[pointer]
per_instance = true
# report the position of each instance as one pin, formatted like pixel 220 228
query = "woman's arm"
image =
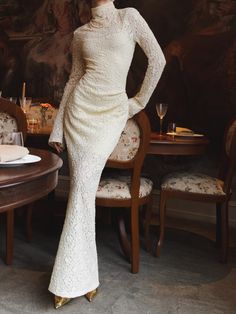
pixel 77 72
pixel 143 35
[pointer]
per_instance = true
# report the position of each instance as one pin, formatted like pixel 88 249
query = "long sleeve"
pixel 77 71
pixel 143 35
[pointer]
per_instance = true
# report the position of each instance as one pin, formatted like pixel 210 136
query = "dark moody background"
pixel 198 39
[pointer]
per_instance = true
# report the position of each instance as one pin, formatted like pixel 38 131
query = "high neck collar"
pixel 103 10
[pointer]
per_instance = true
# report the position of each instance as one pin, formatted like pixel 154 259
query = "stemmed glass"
pixel 161 109
pixel 25 104
pixel 13 99
pixel 12 138
pixel 33 124
pixel 17 138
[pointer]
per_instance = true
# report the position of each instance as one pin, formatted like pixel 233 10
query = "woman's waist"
pixel 102 84
pixel 86 108
pixel 98 95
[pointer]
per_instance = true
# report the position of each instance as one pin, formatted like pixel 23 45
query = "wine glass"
pixel 15 138
pixel 161 109
pixel 25 103
pixel 33 124
pixel 171 129
pixel 13 99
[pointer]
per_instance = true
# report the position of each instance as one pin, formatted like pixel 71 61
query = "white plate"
pixel 28 159
pixel 185 135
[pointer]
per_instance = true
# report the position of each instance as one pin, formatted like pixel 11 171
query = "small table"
pixel 25 184
pixel 177 146
pixel 159 145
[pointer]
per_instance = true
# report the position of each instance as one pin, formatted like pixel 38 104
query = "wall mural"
pixel 198 39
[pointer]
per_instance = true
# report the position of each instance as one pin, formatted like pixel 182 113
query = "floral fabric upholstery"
pixel 119 187
pixel 193 183
pixel 7 124
pixel 128 144
pixel 229 137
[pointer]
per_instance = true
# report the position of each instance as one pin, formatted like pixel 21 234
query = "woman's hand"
pixel 57 146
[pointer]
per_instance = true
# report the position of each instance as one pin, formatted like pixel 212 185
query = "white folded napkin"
pixel 12 152
pixel 181 130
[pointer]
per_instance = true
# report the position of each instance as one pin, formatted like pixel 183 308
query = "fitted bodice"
pixel 107 64
pixel 106 47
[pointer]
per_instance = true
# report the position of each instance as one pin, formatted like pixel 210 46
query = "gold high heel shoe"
pixel 60 301
pixel 91 294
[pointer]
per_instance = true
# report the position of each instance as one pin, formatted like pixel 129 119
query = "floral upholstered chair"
pixel 203 188
pixel 7 124
pixel 12 119
pixel 128 191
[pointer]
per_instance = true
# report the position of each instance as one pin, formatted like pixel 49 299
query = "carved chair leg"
pixel 148 216
pixel 163 199
pixel 29 222
pixel 9 236
pixel 135 246
pixel 218 224
pixel 224 233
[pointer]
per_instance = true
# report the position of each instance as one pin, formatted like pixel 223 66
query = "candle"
pixel 23 91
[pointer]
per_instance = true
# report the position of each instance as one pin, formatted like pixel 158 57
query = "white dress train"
pixel 92 114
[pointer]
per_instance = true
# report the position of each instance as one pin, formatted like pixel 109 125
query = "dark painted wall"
pixel 198 39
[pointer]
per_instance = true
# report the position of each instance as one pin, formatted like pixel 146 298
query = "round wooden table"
pixel 25 184
pixel 177 146
pixel 159 145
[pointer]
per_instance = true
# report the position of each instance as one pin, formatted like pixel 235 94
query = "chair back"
pixel 228 163
pixel 133 143
pixel 12 118
pixel 132 148
pixel 128 144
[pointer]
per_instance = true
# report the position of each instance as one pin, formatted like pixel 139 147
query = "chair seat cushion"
pixel 119 187
pixel 193 183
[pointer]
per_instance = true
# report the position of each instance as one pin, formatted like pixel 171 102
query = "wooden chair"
pixel 13 119
pixel 203 188
pixel 130 191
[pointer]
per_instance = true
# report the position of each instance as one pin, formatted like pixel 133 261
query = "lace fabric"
pixel 92 115
pixel 134 24
pixel 156 60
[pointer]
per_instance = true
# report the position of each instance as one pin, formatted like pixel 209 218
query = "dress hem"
pixel 64 294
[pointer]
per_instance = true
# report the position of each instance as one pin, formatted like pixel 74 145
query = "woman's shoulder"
pixel 130 12
pixel 80 30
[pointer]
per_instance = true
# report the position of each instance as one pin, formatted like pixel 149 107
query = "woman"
pixel 93 112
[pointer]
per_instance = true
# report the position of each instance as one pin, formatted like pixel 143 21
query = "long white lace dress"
pixel 92 114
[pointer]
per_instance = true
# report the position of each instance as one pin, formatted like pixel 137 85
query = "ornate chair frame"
pixel 226 172
pixel 135 166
